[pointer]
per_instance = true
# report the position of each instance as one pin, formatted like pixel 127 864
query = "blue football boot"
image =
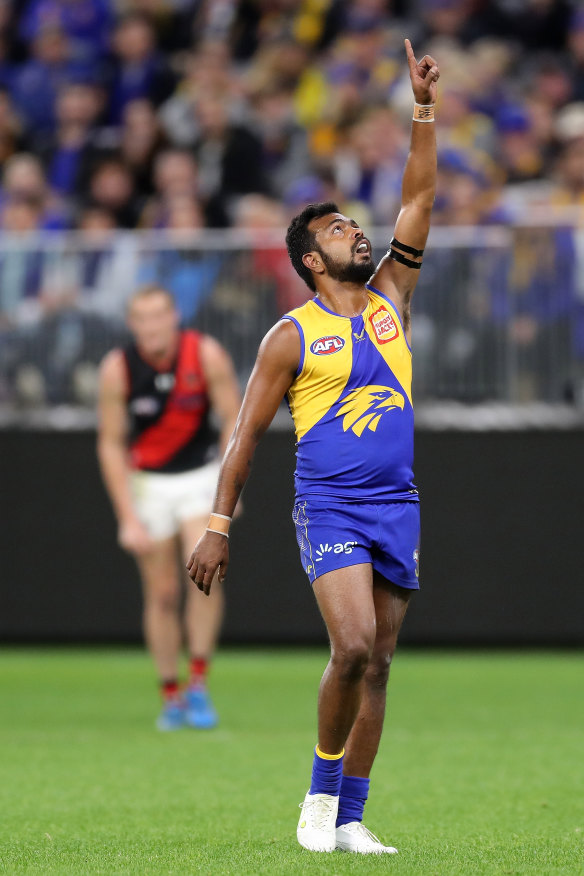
pixel 199 711
pixel 172 716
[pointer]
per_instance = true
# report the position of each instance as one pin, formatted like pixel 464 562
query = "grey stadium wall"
pixel 500 558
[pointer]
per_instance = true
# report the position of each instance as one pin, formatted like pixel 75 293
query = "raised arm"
pixel 397 273
pixel 273 374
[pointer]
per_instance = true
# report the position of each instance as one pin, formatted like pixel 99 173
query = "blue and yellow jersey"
pixel 352 404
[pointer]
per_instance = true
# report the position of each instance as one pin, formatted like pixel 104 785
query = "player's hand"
pixel 211 553
pixel 424 75
pixel 134 537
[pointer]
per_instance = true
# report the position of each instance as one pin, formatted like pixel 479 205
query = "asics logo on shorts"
pixel 416 556
pixel 363 407
pixel 338 548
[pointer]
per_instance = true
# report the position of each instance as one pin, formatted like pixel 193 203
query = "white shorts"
pixel 164 501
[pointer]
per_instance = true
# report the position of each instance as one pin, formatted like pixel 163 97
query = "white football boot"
pixel 354 837
pixel 316 826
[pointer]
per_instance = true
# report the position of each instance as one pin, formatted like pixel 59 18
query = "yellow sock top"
pixel 329 756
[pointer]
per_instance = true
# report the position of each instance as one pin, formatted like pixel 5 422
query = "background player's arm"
pixel 222 386
pixel 272 376
pixel 112 452
pixel 396 280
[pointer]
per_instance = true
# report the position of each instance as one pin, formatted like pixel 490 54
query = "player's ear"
pixel 313 262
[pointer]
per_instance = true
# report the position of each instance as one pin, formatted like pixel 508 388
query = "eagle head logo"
pixel 363 407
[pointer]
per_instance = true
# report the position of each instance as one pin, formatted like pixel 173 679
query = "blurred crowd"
pixel 166 113
pixel 182 115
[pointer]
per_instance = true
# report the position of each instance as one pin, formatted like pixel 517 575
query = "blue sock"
pixel 353 796
pixel 327 772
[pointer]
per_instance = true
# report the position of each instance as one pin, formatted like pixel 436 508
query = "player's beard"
pixel 351 272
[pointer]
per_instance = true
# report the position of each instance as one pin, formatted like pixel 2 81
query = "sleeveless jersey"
pixel 169 411
pixel 352 404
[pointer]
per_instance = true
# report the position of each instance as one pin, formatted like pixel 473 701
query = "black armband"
pixel 417 253
pixel 398 257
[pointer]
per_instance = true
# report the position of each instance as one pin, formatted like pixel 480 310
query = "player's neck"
pixel 161 359
pixel 346 299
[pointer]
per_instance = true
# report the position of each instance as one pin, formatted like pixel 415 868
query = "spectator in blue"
pixel 23 179
pixel 38 81
pixel 86 23
pixel 139 70
pixel 69 150
pixel 189 273
pixel 535 307
pixel 519 154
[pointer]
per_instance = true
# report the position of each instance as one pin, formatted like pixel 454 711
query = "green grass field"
pixel 481 768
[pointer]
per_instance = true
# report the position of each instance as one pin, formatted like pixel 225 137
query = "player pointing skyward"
pixel 344 362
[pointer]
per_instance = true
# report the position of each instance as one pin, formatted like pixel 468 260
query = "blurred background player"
pixel 158 451
pixel 344 361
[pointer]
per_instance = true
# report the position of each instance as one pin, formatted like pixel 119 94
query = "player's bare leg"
pixel 162 628
pixel 363 613
pixel 345 599
pixel 203 619
pixel 161 587
pixel 391 604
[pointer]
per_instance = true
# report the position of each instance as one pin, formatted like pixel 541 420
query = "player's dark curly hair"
pixel 300 240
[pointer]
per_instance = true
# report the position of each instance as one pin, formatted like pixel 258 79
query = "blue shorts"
pixel 339 534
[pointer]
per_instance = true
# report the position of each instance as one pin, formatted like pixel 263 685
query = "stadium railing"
pixel 498 316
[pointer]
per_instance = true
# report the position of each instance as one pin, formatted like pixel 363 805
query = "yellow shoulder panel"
pixel 325 367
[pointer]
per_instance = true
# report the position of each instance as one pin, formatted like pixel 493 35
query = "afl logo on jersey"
pixel 384 325
pixel 327 345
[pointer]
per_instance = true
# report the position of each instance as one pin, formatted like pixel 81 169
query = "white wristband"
pixel 219 523
pixel 423 112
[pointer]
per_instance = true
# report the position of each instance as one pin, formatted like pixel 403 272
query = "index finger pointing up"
pixel 410 55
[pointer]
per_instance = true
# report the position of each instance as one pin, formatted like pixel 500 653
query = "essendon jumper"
pixel 169 411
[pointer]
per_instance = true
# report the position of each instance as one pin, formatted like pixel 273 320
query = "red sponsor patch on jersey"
pixel 327 345
pixel 384 325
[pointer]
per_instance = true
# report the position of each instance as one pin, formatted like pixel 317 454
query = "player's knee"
pixel 165 600
pixel 351 659
pixel 378 669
